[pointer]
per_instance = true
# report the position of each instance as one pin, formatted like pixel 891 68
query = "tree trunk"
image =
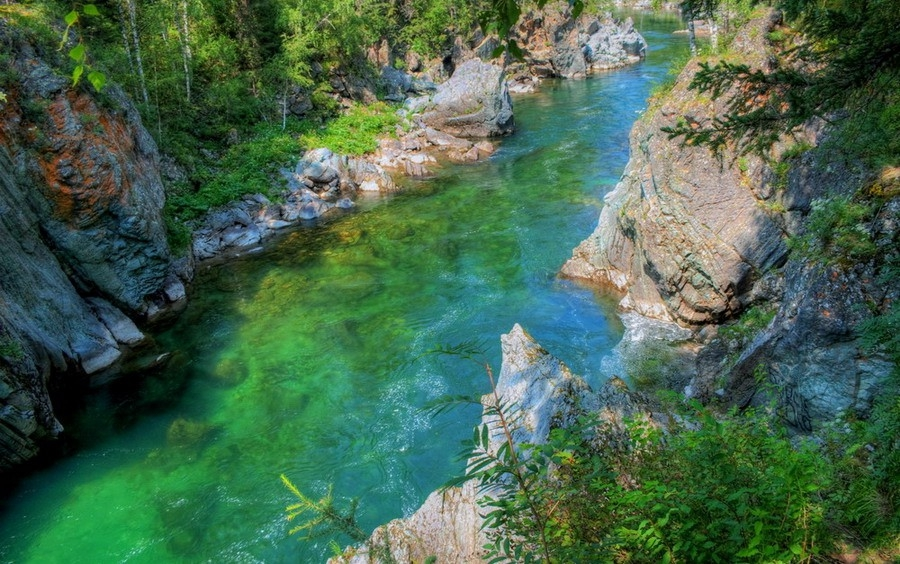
pixel 136 44
pixel 692 35
pixel 185 40
pixel 713 32
pixel 124 27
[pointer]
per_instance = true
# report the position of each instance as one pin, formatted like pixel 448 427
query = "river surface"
pixel 311 358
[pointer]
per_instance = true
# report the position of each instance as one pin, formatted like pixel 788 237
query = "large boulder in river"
pixel 474 102
pixel 448 525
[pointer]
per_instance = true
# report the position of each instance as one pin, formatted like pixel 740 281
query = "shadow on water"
pixel 309 358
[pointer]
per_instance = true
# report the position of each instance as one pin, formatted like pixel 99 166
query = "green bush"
pixel 707 490
pixel 11 349
pixel 751 322
pixel 837 232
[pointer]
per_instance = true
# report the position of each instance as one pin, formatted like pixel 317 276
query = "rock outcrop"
pixel 448 526
pixel 322 181
pixel 554 44
pixel 474 102
pixel 82 237
pixel 697 238
pixel 682 235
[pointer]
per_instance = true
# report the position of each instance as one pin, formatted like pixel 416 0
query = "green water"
pixel 308 358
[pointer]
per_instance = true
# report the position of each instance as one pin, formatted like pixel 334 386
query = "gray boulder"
pixel 555 44
pixel 474 102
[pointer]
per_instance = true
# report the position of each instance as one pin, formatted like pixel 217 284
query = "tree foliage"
pixel 708 489
pixel 847 62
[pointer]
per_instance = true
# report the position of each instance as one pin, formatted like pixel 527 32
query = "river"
pixel 312 359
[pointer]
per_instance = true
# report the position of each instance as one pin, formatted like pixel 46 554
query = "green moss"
pixel 11 349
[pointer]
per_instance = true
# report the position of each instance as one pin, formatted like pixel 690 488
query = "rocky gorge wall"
pixel 84 244
pixel 696 238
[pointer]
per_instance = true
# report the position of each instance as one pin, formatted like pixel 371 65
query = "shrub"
pixel 837 232
pixel 751 322
pixel 710 490
pixel 354 133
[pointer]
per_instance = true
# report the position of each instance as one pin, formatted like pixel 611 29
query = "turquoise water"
pixel 309 358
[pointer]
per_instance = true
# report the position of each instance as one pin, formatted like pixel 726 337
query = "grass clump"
pixel 838 231
pixel 11 349
pixel 751 322
pixel 354 133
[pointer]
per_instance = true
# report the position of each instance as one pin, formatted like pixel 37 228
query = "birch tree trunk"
pixel 713 31
pixel 692 34
pixel 185 40
pixel 124 28
pixel 136 45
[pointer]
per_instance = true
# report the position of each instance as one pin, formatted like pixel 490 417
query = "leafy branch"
pixel 79 53
pixel 323 516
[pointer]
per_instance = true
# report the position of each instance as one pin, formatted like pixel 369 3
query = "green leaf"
pixel 514 50
pixel 71 18
pixel 485 438
pixel 77 53
pixel 90 10
pixel 577 8
pixel 97 80
pixel 76 74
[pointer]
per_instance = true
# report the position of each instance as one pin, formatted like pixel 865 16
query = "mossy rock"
pixel 230 372
pixel 188 433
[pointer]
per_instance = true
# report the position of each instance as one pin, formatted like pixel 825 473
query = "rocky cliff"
pixel 697 238
pixel 83 242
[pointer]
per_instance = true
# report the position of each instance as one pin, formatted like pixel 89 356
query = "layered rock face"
pixel 81 240
pixel 683 235
pixel 448 526
pixel 695 238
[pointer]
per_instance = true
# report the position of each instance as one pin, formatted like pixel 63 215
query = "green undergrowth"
pixel 748 325
pixel 252 166
pixel 710 488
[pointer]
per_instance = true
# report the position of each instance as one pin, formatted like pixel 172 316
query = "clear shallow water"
pixel 308 359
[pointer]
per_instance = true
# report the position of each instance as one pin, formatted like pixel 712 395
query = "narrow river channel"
pixel 309 358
